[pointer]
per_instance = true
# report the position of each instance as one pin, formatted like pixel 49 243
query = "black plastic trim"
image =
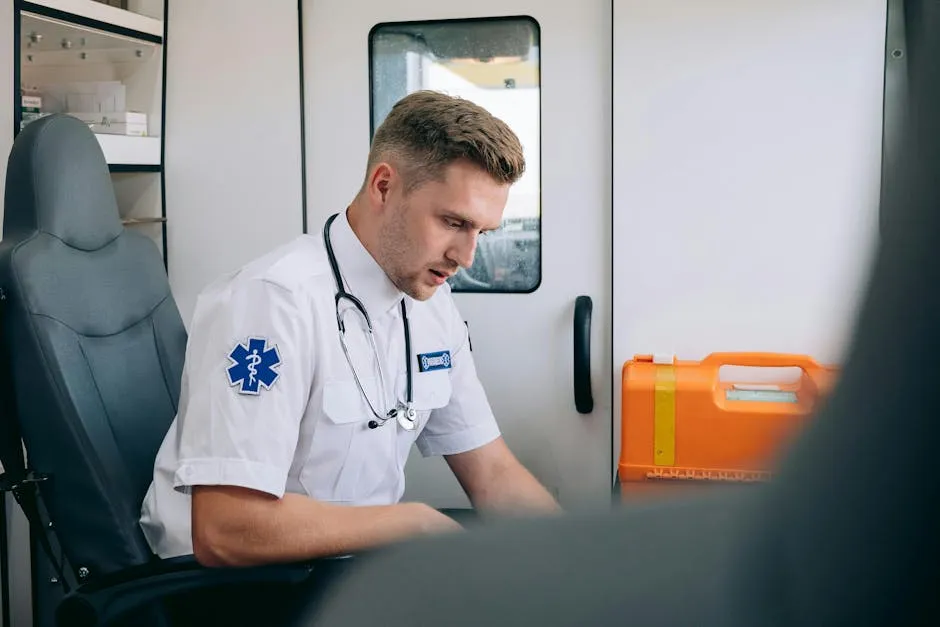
pixel 108 598
pixel 166 28
pixel 303 119
pixel 895 97
pixel 614 419
pixel 4 562
pixel 134 167
pixel 38 9
pixel 17 74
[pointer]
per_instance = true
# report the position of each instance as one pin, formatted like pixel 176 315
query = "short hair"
pixel 427 130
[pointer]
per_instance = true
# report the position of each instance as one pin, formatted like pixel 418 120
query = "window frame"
pixel 537 30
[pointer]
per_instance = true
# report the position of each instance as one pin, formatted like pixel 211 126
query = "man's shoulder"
pixel 293 267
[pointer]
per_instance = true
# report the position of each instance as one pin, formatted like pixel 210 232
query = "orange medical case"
pixel 681 421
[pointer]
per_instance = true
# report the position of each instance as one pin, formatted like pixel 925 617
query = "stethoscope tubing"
pixel 342 294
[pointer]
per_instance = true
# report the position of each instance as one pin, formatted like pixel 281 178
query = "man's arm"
pixel 495 480
pixel 234 526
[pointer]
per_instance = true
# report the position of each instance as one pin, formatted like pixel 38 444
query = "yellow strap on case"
pixel 664 417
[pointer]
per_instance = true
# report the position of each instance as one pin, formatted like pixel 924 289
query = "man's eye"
pixel 453 224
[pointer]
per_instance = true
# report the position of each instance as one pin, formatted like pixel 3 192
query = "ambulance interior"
pixel 707 323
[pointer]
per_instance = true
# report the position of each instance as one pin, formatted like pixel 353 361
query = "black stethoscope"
pixel 404 413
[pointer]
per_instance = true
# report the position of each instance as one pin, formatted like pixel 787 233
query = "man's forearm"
pixel 238 527
pixel 513 490
pixel 495 480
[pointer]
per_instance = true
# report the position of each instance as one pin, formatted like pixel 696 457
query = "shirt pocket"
pixel 432 390
pixel 340 457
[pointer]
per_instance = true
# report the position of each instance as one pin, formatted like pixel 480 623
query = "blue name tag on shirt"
pixel 434 361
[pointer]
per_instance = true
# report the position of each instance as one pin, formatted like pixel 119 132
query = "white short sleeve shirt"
pixel 268 400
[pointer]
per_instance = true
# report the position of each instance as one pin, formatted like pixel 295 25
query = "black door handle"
pixel 583 399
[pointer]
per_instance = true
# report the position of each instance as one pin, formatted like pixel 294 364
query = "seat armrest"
pixel 111 596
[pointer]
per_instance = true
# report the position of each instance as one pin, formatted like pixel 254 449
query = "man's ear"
pixel 380 184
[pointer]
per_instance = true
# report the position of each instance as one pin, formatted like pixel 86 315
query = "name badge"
pixel 434 361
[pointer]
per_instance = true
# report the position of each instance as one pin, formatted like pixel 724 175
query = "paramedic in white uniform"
pixel 271 456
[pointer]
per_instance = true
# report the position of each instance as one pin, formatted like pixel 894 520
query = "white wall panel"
pixel 747 139
pixel 233 164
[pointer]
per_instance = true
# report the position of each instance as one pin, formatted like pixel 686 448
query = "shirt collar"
pixel 364 277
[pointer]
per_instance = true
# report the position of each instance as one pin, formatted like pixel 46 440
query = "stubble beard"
pixel 394 249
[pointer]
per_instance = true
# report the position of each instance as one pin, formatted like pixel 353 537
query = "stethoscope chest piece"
pixel 405 417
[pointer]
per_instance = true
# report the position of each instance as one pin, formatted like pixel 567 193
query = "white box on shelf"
pixel 31 104
pixel 129 150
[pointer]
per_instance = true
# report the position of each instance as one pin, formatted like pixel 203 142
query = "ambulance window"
pixel 495 63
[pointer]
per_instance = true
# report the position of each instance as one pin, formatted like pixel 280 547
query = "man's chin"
pixel 418 290
pixel 422 292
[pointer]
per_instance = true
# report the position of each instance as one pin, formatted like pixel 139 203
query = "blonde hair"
pixel 426 131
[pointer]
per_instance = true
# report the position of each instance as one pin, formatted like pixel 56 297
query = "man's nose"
pixel 463 250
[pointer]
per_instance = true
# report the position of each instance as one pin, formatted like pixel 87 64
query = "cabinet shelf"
pixel 105 66
pixel 53 43
pixel 139 221
pixel 99 16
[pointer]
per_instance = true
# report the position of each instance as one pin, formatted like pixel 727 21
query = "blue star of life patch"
pixel 253 366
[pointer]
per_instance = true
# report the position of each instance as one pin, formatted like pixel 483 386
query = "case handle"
pixel 764 360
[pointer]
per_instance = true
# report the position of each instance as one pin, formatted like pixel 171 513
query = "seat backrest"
pixel 95 342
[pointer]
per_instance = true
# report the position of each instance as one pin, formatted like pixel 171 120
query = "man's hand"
pixel 494 480
pixel 431 521
pixel 234 526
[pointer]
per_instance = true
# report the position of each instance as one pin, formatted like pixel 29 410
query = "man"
pixel 292 434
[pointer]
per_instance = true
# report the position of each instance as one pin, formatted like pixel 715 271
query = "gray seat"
pixel 847 534
pixel 94 349
pixel 96 340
